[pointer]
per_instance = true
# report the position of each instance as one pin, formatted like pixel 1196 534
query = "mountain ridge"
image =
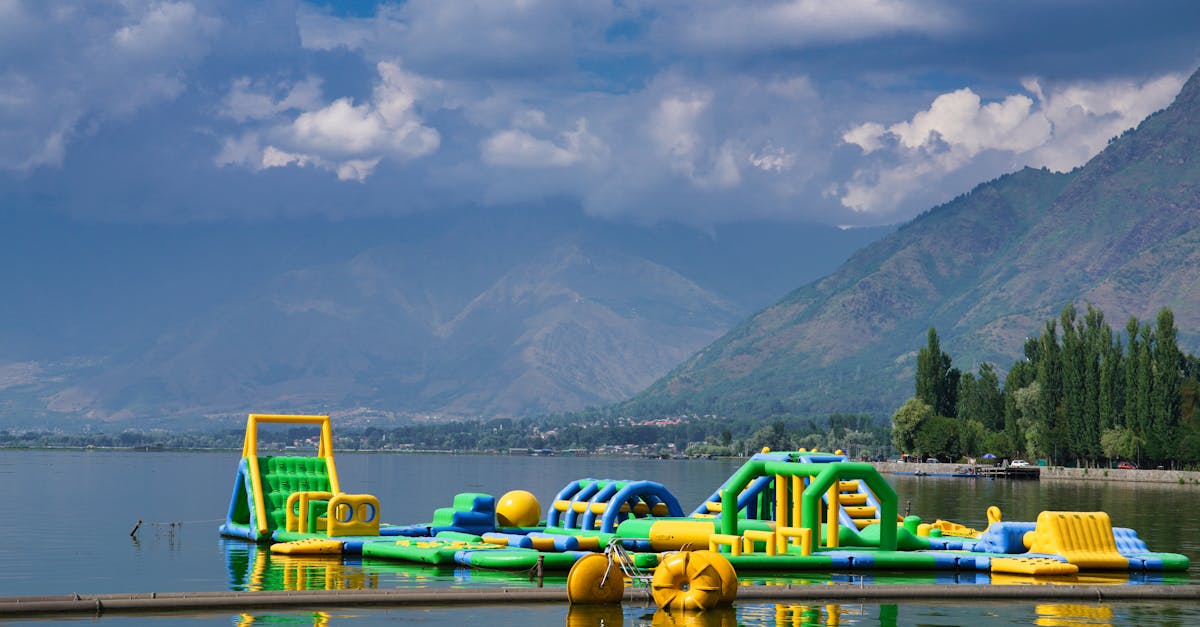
pixel 986 269
pixel 457 314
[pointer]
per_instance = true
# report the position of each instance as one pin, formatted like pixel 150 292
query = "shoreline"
pixel 1059 473
pixel 1053 473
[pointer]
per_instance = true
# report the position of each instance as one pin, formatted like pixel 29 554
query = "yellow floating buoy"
pixel 683 581
pixel 595 579
pixel 729 579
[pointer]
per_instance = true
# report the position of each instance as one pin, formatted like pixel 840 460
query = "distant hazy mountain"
pixel 987 269
pixel 477 313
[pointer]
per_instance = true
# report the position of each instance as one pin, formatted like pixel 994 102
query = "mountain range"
pixel 987 270
pixel 468 313
pixel 532 310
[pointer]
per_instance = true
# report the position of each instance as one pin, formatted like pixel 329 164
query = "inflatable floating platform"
pixel 780 512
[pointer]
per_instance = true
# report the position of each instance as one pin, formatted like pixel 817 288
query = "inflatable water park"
pixel 780 512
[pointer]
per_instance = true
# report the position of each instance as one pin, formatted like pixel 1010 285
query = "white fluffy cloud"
pixel 343 137
pixel 1059 130
pixel 696 110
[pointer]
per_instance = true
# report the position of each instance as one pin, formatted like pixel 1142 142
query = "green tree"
pixel 907 422
pixel 936 379
pixel 1120 443
pixel 1168 360
pixel 1145 387
pixel 1073 389
pixel 980 399
pixel 1027 402
pixel 1051 429
pixel 1111 402
pixel 1133 420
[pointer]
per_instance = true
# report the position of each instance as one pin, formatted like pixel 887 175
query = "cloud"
pixel 518 148
pixel 497 38
pixel 1085 116
pixel 1060 130
pixel 721 27
pixel 772 159
pixel 674 128
pixel 692 110
pixel 163 28
pixel 343 137
pixel 255 100
pixel 69 67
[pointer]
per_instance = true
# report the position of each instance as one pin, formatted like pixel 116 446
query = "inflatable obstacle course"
pixel 780 512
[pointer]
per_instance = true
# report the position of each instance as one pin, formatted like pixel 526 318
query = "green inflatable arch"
pixel 823 476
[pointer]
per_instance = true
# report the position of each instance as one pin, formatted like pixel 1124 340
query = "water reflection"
pixel 836 615
pixel 1073 615
pixel 595 616
pixel 316 619
pixel 253 568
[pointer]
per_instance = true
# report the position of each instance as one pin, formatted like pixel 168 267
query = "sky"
pixel 846 112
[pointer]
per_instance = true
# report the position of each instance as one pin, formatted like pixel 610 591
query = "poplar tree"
pixel 1072 356
pixel 1132 420
pixel 1092 330
pixel 936 381
pixel 1050 396
pixel 1144 389
pixel 1165 411
pixel 1111 376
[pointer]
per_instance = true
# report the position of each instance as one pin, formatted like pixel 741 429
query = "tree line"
pixel 857 434
pixel 1083 394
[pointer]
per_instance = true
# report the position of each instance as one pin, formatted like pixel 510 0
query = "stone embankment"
pixel 1177 477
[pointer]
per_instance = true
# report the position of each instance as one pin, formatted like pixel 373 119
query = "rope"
pixel 171 524
pixel 180 523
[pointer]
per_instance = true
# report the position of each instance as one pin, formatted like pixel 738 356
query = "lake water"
pixel 68 516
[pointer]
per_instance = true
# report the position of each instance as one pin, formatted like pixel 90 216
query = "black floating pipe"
pixel 218 601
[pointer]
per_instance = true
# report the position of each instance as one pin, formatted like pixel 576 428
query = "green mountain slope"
pixel 987 269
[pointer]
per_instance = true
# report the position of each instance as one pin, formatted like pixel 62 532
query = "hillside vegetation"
pixel 1121 233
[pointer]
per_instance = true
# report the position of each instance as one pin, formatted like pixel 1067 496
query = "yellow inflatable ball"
pixel 518 508
pixel 594 579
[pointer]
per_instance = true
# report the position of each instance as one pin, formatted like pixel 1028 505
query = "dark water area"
pixel 66 528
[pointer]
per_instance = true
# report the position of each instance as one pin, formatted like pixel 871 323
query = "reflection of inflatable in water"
pixel 781 512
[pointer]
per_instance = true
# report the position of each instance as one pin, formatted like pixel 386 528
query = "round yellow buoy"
pixel 595 579
pixel 682 582
pixel 518 508
pixel 729 579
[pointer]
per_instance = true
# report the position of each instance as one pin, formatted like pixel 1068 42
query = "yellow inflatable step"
pixel 311 546
pixel 860 511
pixel 847 498
pixel 1084 538
pixel 1032 566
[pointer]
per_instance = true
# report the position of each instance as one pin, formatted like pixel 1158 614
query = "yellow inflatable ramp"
pixel 1084 538
pixel 1032 566
pixel 311 546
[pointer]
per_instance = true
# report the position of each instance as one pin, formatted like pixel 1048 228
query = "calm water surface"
pixel 68 517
